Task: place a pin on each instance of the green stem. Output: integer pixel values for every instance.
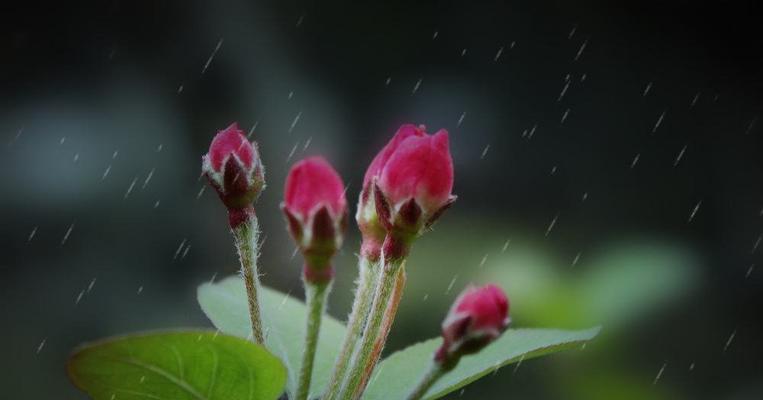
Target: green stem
(360, 308)
(386, 326)
(316, 294)
(246, 236)
(430, 377)
(384, 289)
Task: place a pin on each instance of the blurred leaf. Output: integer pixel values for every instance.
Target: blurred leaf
(177, 365)
(629, 281)
(399, 373)
(617, 287)
(225, 303)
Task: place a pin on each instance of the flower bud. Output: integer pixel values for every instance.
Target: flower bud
(408, 184)
(478, 316)
(371, 228)
(233, 168)
(316, 212)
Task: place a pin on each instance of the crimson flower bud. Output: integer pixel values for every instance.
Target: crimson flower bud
(316, 212)
(408, 184)
(478, 316)
(234, 169)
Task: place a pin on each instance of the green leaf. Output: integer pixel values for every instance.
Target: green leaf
(225, 304)
(399, 373)
(191, 365)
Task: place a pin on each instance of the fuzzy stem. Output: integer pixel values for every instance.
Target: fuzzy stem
(384, 289)
(316, 294)
(360, 308)
(381, 338)
(246, 235)
(430, 377)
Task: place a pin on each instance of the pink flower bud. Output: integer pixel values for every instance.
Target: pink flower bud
(478, 316)
(407, 185)
(233, 168)
(316, 210)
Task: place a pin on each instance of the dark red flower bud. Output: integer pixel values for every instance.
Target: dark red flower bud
(478, 316)
(408, 184)
(233, 168)
(316, 210)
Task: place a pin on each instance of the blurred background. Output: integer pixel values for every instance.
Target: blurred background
(608, 167)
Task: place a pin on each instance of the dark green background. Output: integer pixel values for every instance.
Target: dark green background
(83, 81)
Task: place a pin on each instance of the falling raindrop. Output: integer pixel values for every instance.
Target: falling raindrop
(484, 152)
(388, 81)
(76, 157)
(576, 259)
(749, 271)
(483, 261)
(299, 21)
(659, 122)
(691, 367)
(553, 170)
(635, 160)
(572, 32)
(730, 339)
(212, 56)
(461, 119)
(295, 121)
(79, 297)
(177, 252)
(66, 235)
(659, 374)
(63, 139)
(293, 150)
(505, 245)
(41, 345)
(159, 148)
(148, 179)
(156, 204)
(680, 155)
(114, 154)
(498, 54)
(564, 117)
(551, 225)
(140, 290)
(580, 51)
(463, 52)
(434, 36)
(694, 211)
(90, 286)
(450, 285)
(646, 90)
(694, 100)
(198, 195)
(106, 172)
(129, 189)
(180, 89)
(416, 86)
(31, 234)
(564, 90)
(757, 243)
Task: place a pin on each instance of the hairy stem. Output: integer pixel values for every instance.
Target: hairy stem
(316, 294)
(246, 236)
(384, 289)
(368, 274)
(430, 377)
(386, 326)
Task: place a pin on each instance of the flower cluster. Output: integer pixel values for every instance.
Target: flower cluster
(406, 188)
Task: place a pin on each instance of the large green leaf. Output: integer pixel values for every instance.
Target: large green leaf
(398, 374)
(284, 318)
(191, 365)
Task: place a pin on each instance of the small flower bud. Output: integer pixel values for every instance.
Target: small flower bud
(408, 184)
(478, 316)
(371, 227)
(234, 169)
(316, 212)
